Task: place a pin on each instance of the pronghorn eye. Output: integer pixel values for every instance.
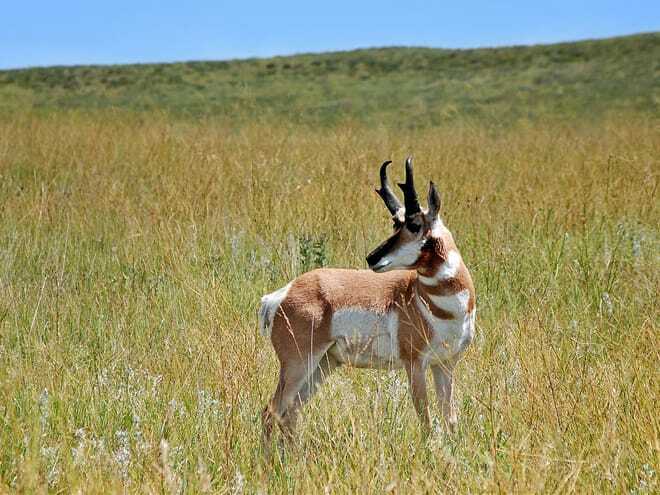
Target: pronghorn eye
(413, 226)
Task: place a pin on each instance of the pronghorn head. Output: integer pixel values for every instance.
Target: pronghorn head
(413, 240)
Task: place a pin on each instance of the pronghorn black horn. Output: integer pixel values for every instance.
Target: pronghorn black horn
(391, 201)
(409, 193)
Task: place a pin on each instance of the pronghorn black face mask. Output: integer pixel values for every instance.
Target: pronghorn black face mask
(412, 226)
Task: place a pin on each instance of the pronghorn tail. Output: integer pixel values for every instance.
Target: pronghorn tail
(268, 309)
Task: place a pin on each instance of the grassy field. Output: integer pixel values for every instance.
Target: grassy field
(134, 249)
(397, 87)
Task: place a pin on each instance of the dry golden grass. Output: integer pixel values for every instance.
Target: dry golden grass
(134, 250)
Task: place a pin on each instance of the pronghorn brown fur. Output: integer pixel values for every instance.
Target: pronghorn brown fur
(414, 309)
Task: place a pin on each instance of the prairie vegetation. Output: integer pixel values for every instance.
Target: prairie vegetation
(134, 251)
(135, 245)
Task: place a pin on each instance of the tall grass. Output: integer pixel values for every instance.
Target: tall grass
(134, 250)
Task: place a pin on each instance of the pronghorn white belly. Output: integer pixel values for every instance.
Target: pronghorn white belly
(365, 339)
(450, 338)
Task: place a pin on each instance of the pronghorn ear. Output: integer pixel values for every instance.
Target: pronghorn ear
(433, 201)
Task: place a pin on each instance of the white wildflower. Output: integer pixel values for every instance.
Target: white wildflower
(207, 405)
(102, 377)
(97, 447)
(236, 241)
(50, 455)
(513, 378)
(204, 477)
(171, 481)
(176, 408)
(123, 453)
(480, 425)
(396, 389)
(607, 303)
(265, 262)
(239, 483)
(636, 247)
(646, 480)
(44, 410)
(78, 452)
(155, 382)
(140, 443)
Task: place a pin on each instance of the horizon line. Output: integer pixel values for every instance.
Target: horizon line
(328, 52)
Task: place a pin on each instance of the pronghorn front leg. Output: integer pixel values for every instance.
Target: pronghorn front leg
(417, 379)
(443, 377)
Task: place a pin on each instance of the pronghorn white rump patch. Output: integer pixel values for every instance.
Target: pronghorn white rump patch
(366, 338)
(446, 271)
(269, 304)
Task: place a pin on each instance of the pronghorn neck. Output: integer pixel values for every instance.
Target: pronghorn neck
(440, 287)
(440, 258)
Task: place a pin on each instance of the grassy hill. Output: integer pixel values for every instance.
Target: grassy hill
(408, 87)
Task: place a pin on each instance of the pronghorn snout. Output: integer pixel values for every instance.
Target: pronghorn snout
(377, 259)
(380, 266)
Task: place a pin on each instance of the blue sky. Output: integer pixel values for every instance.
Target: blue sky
(66, 32)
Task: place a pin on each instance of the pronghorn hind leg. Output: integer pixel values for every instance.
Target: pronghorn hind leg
(327, 365)
(292, 378)
(294, 375)
(417, 380)
(269, 416)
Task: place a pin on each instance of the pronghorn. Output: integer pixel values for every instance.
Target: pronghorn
(420, 313)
